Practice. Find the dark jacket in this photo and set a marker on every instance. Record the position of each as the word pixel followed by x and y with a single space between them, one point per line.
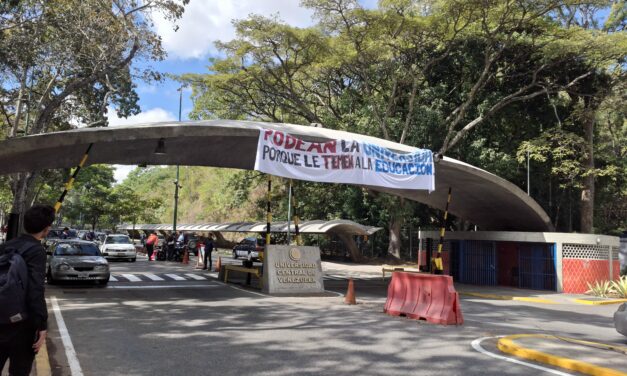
pixel 209 245
pixel 35 258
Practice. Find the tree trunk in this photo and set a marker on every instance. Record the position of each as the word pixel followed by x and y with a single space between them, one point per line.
pixel 587 193
pixel 394 246
pixel 20 185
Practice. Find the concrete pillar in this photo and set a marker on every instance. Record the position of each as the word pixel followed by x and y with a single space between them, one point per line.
pixel 351 246
pixel 559 271
pixel 609 255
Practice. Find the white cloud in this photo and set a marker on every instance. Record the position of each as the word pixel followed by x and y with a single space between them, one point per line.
pixel 206 21
pixel 152 115
pixel 122 171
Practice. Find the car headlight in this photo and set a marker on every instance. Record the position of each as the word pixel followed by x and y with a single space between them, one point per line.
pixel 101 267
pixel 63 267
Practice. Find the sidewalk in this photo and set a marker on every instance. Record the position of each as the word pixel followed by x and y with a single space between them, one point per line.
pixel 571 354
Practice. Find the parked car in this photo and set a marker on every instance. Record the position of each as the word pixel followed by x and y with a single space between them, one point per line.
pixel 620 319
pixel 118 246
pixel 56 233
pixel 76 260
pixel 249 246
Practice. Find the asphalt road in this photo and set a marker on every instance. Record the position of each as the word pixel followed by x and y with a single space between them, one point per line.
pixel 200 326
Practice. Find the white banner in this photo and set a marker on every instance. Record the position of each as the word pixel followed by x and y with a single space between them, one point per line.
pixel 343 161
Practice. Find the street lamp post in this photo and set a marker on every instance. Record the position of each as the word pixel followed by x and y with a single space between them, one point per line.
pixel 176 182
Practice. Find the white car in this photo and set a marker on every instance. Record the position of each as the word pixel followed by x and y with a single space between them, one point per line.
pixel 118 246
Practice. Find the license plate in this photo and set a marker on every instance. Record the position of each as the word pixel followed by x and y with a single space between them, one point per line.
pixel 83 275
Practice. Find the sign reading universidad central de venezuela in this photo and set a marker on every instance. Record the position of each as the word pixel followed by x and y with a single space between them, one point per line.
pixel 343 161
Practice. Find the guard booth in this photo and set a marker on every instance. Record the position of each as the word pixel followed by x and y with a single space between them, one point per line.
pixel 560 262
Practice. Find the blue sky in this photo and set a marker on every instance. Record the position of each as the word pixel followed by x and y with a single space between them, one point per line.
pixel 190 47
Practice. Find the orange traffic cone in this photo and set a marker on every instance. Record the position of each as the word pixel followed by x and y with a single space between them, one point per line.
pixel 218 265
pixel 350 294
pixel 185 257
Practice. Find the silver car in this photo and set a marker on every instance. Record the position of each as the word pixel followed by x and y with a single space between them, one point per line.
pixel 620 319
pixel 76 260
pixel 118 246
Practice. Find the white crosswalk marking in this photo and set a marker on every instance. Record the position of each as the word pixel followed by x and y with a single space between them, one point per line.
pixel 154 277
pixel 196 277
pixel 112 279
pixel 175 277
pixel 131 278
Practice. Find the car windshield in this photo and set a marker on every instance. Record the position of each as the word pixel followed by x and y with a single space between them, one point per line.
pixel 69 249
pixel 118 239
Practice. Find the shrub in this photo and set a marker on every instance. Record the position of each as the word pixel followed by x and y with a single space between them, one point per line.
pixel 600 288
pixel 619 287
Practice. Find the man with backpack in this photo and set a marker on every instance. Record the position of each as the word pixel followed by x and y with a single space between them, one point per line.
pixel 23 312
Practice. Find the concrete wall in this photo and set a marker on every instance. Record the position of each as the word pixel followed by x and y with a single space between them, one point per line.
pixel 580 258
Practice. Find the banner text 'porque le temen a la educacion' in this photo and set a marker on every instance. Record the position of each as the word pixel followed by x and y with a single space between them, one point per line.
pixel 343 161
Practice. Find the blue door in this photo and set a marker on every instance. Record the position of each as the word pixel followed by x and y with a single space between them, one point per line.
pixel 477 262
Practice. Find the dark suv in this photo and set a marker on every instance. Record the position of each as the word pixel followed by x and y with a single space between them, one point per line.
pixel 253 246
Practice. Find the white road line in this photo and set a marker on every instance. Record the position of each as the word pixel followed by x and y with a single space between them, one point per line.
pixel 160 286
pixel 476 344
pixel 131 277
pixel 75 367
pixel 112 279
pixel 196 277
pixel 175 277
pixel 244 290
pixel 154 277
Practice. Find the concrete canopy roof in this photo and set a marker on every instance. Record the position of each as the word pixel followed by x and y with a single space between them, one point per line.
pixel 480 197
pixel 307 227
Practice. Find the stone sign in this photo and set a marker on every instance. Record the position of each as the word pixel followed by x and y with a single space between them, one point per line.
pixel 292 270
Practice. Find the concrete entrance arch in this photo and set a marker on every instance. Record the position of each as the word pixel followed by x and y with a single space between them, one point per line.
pixel 480 197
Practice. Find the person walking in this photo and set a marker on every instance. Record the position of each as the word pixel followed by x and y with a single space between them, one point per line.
pixel 208 250
pixel 170 244
pixel 23 323
pixel 150 244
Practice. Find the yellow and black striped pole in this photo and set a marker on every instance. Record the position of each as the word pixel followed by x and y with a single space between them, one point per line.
pixel 437 261
pixel 296 219
pixel 268 211
pixel 70 182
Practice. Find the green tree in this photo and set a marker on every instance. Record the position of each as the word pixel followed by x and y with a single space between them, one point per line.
pixel 422 73
pixel 63 62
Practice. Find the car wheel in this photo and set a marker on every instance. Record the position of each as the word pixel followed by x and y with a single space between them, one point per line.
pixel 51 280
pixel 133 259
pixel 234 255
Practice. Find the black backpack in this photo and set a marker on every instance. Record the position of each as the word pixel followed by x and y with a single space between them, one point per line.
pixel 13 282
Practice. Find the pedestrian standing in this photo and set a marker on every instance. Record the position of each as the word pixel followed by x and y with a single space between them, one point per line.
pixel 23 312
pixel 170 244
pixel 208 250
pixel 150 244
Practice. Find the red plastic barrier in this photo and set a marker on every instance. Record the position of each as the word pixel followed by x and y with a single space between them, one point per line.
pixel 424 296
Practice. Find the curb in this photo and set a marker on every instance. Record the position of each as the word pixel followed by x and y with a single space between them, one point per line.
pixel 507 297
pixel 599 302
pixel 42 361
pixel 507 345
